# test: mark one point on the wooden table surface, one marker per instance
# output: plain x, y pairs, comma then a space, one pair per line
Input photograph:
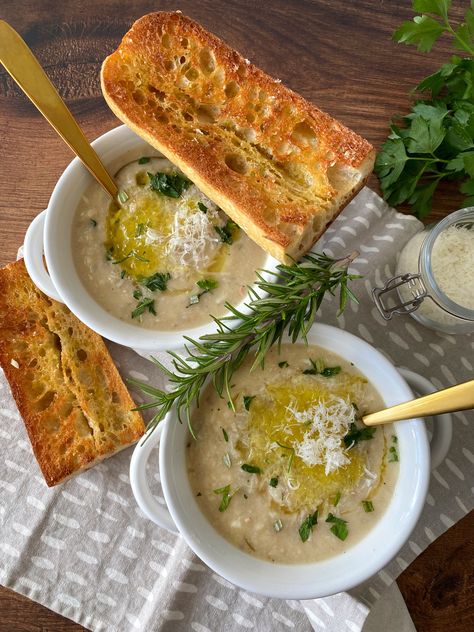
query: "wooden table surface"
337, 54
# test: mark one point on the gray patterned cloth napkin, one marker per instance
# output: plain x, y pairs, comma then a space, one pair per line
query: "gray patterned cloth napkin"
85, 550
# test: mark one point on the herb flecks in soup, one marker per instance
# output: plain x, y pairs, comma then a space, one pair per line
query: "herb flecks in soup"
167, 257
292, 475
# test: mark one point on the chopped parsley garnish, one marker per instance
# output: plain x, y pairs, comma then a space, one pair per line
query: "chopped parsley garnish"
140, 229
158, 281
248, 400
278, 525
170, 185
251, 469
226, 436
392, 454
356, 434
145, 304
307, 525
143, 160
283, 364
318, 368
339, 527
122, 196
93, 223
131, 254
367, 505
336, 499
225, 232
207, 285
122, 274
202, 207
273, 481
226, 460
137, 294
394, 439
226, 497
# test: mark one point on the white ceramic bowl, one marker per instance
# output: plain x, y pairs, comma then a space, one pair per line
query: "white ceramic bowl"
51, 233
314, 580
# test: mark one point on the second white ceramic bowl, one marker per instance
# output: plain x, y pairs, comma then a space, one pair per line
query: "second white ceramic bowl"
319, 579
51, 234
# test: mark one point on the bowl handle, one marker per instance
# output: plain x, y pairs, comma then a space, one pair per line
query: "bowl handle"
443, 424
33, 250
138, 480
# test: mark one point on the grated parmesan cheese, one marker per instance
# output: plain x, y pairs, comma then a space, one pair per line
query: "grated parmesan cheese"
328, 421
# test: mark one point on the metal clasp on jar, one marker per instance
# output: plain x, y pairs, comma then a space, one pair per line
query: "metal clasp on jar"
414, 285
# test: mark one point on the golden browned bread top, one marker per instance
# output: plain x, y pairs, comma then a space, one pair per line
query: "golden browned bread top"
276, 164
74, 404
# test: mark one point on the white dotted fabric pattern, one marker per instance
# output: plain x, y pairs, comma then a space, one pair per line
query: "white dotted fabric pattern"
85, 550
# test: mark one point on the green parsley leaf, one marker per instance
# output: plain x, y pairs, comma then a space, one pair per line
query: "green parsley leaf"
248, 400
145, 304
356, 434
339, 527
273, 481
226, 232
207, 284
143, 160
283, 364
93, 223
423, 32
140, 230
393, 455
318, 368
368, 506
226, 436
137, 294
307, 525
170, 185
157, 281
226, 497
251, 469
202, 207
336, 499
122, 274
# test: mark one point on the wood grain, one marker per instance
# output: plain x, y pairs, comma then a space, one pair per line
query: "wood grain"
338, 54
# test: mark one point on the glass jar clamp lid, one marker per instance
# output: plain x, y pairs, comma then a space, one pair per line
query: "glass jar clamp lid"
434, 280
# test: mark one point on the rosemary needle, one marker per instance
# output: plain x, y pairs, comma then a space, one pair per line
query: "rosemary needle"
290, 304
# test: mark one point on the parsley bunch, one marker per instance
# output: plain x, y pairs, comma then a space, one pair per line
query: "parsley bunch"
435, 141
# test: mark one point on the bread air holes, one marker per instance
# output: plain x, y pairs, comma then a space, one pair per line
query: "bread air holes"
208, 113
303, 134
184, 42
44, 402
138, 97
82, 427
158, 93
192, 74
232, 89
166, 40
236, 163
207, 62
81, 355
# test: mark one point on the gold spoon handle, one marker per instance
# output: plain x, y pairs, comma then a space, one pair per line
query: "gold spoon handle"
460, 397
25, 69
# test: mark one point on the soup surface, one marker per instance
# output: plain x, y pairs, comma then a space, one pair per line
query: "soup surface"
168, 257
292, 476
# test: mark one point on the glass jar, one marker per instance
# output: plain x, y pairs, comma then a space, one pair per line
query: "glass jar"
434, 280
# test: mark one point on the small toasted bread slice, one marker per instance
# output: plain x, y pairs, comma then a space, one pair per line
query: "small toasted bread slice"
75, 406
277, 165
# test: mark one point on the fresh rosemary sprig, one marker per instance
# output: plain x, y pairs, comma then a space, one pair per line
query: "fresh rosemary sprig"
290, 304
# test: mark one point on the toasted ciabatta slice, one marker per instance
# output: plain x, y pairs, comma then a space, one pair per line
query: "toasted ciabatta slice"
276, 164
75, 406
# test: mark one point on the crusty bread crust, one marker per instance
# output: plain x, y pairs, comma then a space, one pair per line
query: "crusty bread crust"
276, 164
74, 404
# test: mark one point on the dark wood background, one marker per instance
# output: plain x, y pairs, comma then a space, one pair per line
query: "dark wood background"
336, 53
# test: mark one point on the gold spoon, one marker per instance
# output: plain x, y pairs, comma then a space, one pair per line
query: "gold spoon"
25, 69
449, 400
